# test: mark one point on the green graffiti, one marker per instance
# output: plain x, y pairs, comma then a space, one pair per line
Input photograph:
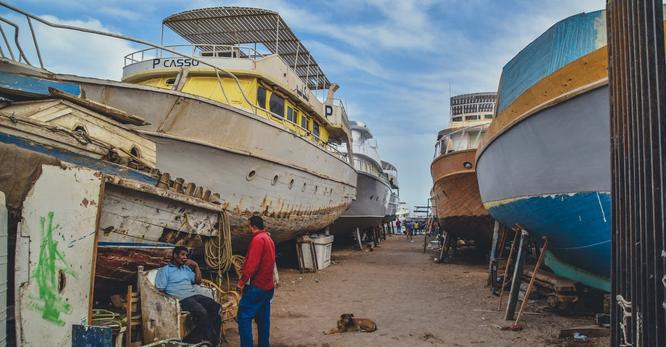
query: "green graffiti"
49, 274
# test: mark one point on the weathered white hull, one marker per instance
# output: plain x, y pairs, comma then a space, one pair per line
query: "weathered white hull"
369, 208
219, 146
308, 204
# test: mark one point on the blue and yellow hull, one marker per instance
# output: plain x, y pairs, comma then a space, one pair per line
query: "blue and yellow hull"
544, 164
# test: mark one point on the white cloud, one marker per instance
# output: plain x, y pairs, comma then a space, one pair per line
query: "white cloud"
84, 54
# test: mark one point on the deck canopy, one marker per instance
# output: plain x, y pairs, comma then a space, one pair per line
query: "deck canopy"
245, 25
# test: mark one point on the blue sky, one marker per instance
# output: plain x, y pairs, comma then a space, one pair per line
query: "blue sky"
394, 60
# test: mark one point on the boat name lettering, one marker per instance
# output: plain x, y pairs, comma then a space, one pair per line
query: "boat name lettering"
178, 62
328, 110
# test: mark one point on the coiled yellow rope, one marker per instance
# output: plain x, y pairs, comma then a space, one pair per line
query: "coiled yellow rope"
218, 251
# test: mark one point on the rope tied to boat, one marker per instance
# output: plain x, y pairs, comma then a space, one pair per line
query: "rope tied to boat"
218, 251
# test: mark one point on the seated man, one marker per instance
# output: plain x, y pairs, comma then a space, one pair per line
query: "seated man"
177, 279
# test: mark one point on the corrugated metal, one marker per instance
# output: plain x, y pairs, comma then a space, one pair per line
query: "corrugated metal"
563, 43
246, 25
637, 77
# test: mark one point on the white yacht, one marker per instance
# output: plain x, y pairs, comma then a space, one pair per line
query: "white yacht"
373, 189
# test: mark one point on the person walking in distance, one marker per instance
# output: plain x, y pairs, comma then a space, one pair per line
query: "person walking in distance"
256, 285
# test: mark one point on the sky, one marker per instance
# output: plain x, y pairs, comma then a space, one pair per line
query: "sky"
397, 61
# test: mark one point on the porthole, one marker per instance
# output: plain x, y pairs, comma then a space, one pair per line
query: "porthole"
467, 165
372, 197
316, 189
251, 175
291, 183
275, 180
304, 185
80, 129
135, 152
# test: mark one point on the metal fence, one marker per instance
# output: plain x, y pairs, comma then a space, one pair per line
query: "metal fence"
637, 78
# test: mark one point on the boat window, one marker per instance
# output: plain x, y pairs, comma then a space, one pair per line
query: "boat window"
315, 129
456, 119
291, 114
474, 117
277, 104
489, 116
304, 122
261, 97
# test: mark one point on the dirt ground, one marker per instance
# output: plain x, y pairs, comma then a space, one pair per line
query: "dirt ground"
413, 300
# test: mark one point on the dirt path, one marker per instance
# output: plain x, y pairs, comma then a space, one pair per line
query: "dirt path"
414, 301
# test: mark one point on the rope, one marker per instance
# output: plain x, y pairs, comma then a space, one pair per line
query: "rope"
102, 317
218, 252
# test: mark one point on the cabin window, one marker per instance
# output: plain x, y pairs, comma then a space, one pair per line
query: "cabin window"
277, 104
456, 119
474, 117
261, 97
315, 129
304, 122
291, 114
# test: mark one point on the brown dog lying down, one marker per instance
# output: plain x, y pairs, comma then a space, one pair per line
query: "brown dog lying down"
347, 322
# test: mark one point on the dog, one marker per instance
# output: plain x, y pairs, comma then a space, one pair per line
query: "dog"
347, 322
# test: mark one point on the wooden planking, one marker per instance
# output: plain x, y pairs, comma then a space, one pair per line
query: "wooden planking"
458, 195
112, 112
98, 127
134, 216
452, 164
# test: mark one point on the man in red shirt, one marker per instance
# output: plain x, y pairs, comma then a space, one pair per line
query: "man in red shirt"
256, 285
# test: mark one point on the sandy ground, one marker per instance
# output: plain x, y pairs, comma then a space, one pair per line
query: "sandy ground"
414, 301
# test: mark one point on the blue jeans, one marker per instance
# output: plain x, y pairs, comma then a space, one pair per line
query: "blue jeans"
255, 304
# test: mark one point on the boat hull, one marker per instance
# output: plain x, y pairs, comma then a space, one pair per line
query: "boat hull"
231, 141
558, 186
288, 209
369, 208
457, 203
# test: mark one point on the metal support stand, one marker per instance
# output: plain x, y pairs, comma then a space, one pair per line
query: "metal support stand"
517, 277
506, 268
358, 238
445, 242
493, 249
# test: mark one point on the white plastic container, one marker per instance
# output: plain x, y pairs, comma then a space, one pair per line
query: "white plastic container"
322, 249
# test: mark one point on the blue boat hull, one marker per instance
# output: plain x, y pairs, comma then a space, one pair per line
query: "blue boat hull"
78, 159
578, 227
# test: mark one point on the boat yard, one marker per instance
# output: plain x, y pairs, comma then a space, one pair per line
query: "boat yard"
543, 223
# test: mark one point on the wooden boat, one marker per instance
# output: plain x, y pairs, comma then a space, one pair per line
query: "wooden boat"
242, 122
141, 200
455, 193
545, 163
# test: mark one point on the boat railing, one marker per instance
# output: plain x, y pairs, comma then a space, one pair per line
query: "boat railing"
23, 59
446, 144
192, 50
